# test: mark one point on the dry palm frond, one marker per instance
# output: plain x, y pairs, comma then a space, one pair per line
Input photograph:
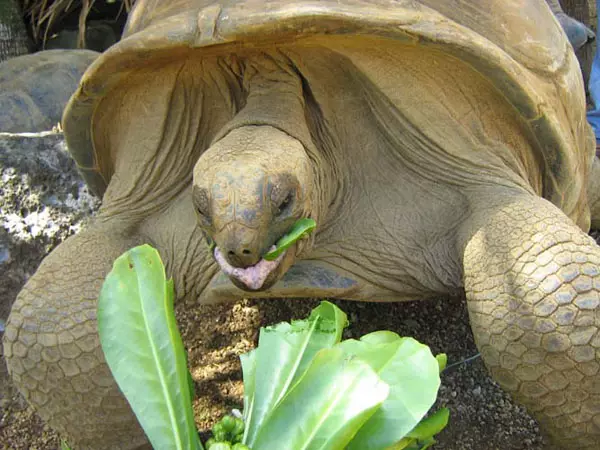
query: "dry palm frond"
45, 13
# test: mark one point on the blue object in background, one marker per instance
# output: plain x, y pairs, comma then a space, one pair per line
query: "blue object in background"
593, 115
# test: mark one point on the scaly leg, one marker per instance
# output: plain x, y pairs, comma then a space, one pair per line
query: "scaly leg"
52, 347
532, 280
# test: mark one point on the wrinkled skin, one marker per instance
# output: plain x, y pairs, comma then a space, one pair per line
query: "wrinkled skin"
421, 175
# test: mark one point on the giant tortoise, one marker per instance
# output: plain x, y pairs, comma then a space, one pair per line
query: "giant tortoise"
440, 145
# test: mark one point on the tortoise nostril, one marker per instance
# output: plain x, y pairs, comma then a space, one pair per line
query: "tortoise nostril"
244, 252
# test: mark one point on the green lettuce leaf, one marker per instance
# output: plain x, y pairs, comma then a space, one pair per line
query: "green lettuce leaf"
143, 348
412, 373
331, 401
421, 437
283, 354
301, 228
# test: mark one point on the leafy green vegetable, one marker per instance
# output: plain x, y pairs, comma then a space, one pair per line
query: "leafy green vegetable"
143, 348
283, 354
314, 408
248, 361
421, 437
333, 399
431, 425
219, 446
240, 447
303, 388
211, 444
302, 227
442, 360
229, 429
412, 373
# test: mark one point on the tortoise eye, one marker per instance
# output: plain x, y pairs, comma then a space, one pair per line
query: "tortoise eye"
283, 191
285, 204
201, 203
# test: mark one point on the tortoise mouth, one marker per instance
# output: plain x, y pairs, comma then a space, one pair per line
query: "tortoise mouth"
259, 277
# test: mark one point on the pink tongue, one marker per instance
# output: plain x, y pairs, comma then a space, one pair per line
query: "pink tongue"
253, 276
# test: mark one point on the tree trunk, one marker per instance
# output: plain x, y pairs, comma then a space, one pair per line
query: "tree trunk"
13, 35
585, 12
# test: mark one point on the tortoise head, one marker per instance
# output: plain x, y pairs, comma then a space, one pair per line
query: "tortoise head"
249, 188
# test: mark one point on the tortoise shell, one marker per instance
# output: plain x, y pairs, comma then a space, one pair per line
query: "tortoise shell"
450, 71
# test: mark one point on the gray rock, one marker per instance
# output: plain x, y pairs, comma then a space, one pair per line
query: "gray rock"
99, 35
34, 89
42, 201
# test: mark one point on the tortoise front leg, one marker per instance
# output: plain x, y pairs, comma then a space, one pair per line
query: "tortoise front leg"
532, 280
52, 347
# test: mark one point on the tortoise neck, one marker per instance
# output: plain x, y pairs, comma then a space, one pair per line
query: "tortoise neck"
275, 97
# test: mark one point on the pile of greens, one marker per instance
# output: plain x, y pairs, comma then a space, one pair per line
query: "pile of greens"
304, 387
